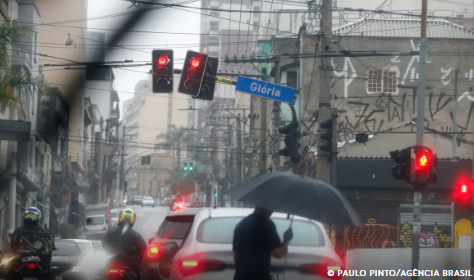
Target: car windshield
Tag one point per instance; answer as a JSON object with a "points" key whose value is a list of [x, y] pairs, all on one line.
{"points": [[94, 221], [66, 249], [221, 230], [148, 198], [85, 247], [175, 227]]}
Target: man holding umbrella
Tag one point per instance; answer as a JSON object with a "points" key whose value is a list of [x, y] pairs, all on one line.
{"points": [[255, 241]]}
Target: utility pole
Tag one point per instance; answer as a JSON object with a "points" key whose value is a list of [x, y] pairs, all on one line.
{"points": [[229, 160], [263, 135], [215, 169], [99, 160], [239, 149], [325, 72], [420, 122], [122, 160], [276, 122], [12, 192], [455, 117]]}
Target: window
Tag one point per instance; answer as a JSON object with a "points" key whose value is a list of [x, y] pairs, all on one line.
{"points": [[66, 249], [292, 79], [95, 221], [175, 227], [35, 47], [255, 26], [221, 230], [213, 40], [214, 26], [382, 81]]}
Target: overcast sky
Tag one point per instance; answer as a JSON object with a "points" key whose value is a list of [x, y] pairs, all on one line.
{"points": [[168, 20]]}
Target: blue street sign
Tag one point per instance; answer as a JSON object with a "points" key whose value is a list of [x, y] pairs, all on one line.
{"points": [[266, 90]]}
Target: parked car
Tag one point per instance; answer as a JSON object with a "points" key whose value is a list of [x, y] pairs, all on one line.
{"points": [[137, 199], [93, 262], [96, 226], [148, 201], [65, 258], [114, 216], [199, 241]]}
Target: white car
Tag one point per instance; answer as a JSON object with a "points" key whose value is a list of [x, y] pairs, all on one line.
{"points": [[206, 252], [92, 264], [148, 201], [114, 215]]}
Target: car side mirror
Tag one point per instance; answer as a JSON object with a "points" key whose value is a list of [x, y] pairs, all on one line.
{"points": [[169, 249]]}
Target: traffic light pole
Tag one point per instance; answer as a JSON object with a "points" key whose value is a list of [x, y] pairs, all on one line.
{"points": [[334, 150], [417, 198], [276, 121]]}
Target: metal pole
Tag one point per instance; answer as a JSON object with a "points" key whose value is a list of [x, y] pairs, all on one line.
{"points": [[99, 160], [276, 122], [122, 160], [472, 217], [12, 194], [228, 162], [325, 72], [263, 135], [334, 150], [417, 198], [455, 118], [239, 149]]}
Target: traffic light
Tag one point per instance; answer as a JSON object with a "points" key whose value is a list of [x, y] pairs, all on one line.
{"points": [[186, 168], [402, 158], [462, 195], [193, 72], [209, 80], [162, 66], [125, 187], [191, 166], [215, 193], [291, 141], [424, 165], [327, 136]]}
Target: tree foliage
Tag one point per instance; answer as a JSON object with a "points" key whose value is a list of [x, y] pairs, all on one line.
{"points": [[14, 84], [183, 187], [174, 137]]}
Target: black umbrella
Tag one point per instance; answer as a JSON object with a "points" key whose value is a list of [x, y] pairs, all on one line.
{"points": [[297, 195]]}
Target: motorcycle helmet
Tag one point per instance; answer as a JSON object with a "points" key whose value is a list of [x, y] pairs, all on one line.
{"points": [[32, 215], [127, 215]]}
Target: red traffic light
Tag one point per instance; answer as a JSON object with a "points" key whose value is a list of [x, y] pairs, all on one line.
{"points": [[423, 160], [195, 63], [162, 61], [464, 188]]}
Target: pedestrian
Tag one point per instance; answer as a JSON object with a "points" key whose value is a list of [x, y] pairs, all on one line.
{"points": [[255, 241]]}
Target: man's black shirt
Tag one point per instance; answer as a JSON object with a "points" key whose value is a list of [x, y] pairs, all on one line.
{"points": [[255, 237], [128, 249]]}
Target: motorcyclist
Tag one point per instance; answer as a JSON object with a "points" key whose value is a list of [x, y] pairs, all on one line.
{"points": [[31, 219], [126, 245]]}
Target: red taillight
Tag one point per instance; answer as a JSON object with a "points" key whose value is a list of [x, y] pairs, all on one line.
{"points": [[31, 266], [153, 250], [322, 270], [190, 266]]}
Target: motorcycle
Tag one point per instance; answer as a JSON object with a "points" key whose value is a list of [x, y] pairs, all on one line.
{"points": [[27, 263], [117, 272]]}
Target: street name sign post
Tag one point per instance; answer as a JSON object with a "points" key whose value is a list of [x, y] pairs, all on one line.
{"points": [[265, 90]]}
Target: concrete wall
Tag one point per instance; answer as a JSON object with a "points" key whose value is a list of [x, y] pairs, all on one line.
{"points": [[430, 259], [373, 112]]}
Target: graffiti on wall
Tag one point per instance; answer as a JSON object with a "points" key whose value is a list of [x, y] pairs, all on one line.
{"points": [[371, 235], [435, 238], [372, 113]]}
